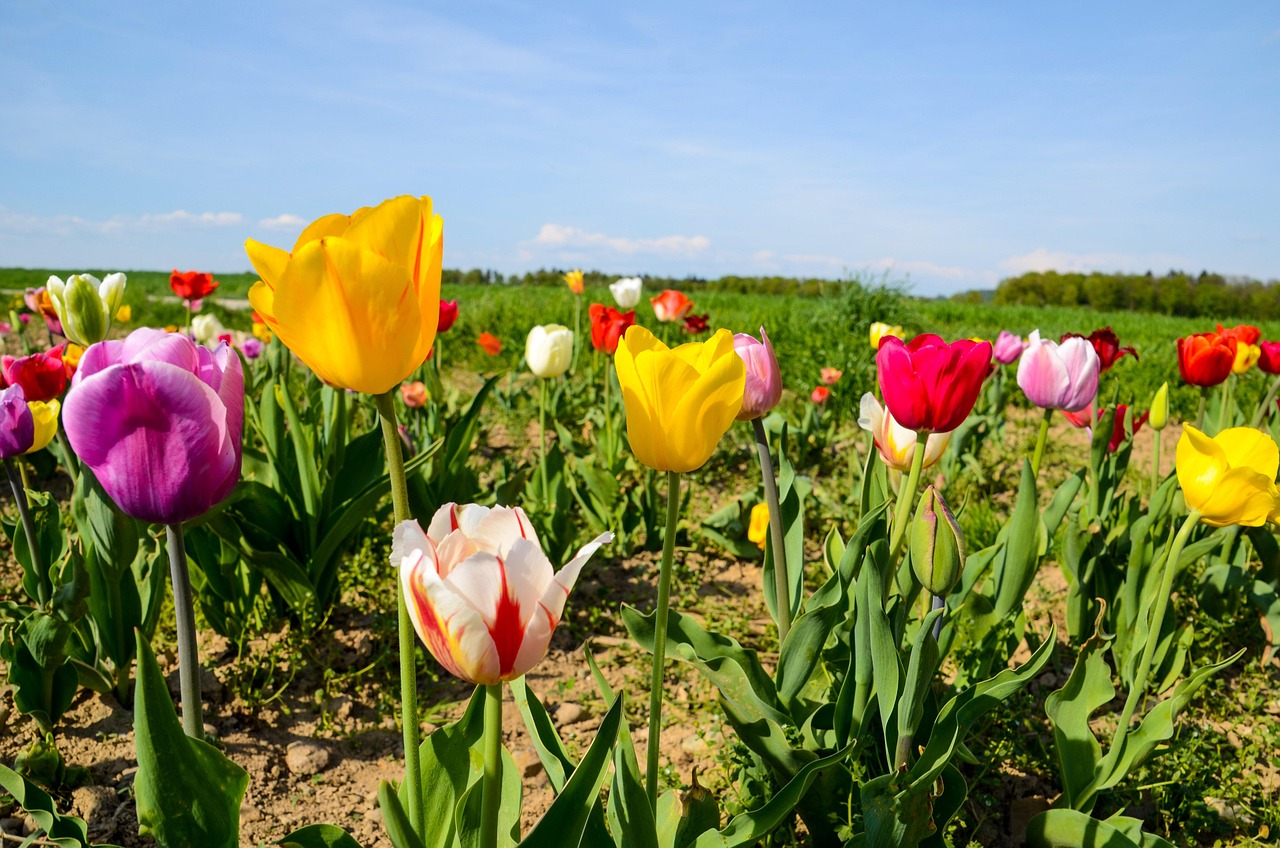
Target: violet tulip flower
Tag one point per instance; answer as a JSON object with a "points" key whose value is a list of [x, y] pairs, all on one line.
{"points": [[159, 420], [1009, 347], [764, 380], [17, 427], [1059, 376]]}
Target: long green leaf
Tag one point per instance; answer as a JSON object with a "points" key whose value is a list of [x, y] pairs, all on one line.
{"points": [[319, 836]]}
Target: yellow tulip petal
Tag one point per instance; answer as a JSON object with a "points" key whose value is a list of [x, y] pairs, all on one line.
{"points": [[44, 415], [268, 261], [1242, 496], [330, 225], [392, 229], [664, 379], [1247, 447], [263, 300], [430, 261], [707, 411], [638, 339], [1201, 463]]}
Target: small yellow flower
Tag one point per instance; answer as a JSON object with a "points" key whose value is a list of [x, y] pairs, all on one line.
{"points": [[171, 328], [758, 532], [262, 332], [71, 355], [679, 401], [1246, 357], [880, 329], [1229, 479], [44, 414], [573, 280], [1160, 408], [124, 314]]}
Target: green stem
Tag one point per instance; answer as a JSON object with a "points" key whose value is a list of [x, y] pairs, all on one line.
{"points": [[185, 617], [1224, 414], [68, 455], [660, 638], [608, 408], [1041, 440], [43, 590], [1204, 403], [491, 800], [1265, 406], [118, 625], [781, 575], [906, 498], [408, 650], [577, 332], [542, 441], [1155, 469]]}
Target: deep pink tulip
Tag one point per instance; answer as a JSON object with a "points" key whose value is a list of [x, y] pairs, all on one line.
{"points": [[764, 380], [159, 420], [928, 385], [1059, 376]]}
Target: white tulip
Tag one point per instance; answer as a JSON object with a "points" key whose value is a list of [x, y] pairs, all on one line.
{"points": [[206, 328], [626, 292], [548, 350]]}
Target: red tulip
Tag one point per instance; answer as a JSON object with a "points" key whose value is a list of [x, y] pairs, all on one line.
{"points": [[671, 305], [1118, 434], [191, 285], [820, 394], [1205, 359], [928, 385], [831, 376], [1106, 344], [1269, 361], [489, 343], [1242, 333], [608, 326], [696, 323], [448, 314], [43, 376]]}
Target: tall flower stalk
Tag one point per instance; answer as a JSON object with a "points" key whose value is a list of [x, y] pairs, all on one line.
{"points": [[660, 638]]}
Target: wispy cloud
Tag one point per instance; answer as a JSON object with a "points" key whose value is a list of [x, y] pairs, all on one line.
{"points": [[572, 238], [1042, 259], [69, 225], [282, 222]]}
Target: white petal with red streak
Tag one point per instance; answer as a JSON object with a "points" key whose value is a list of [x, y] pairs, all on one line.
{"points": [[456, 633]]}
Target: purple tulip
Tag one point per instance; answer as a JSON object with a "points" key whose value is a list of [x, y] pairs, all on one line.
{"points": [[159, 420], [17, 427], [764, 381], [252, 348], [1008, 347], [1059, 376]]}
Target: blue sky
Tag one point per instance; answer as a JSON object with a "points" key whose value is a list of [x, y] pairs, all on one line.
{"points": [[948, 143]]}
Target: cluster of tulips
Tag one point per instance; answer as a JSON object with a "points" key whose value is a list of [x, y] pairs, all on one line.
{"points": [[158, 420]]}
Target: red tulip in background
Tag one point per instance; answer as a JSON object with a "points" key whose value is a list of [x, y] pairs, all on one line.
{"points": [[928, 385], [43, 376], [1242, 333], [820, 394], [1107, 345], [1269, 360], [608, 325], [1117, 428], [448, 314], [1205, 359], [696, 323], [191, 285], [489, 343]]}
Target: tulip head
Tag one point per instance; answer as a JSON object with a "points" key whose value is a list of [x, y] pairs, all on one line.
{"points": [[1246, 334], [695, 324], [1247, 355], [763, 388], [1124, 425], [40, 302], [482, 595], [1059, 376], [880, 330], [1008, 347], [85, 305], [1106, 344], [930, 386], [548, 349], [819, 395], [830, 376], [44, 417], [679, 401], [608, 326], [1229, 479], [897, 444], [252, 348], [448, 315], [1269, 357], [358, 298], [193, 286], [758, 531], [626, 292], [1160, 408], [43, 376], [414, 394], [573, 280], [489, 343], [17, 427], [671, 306], [1206, 359], [207, 328], [937, 544]]}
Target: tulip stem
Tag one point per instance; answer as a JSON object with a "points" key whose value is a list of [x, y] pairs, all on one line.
{"points": [[1041, 440], [1204, 403], [408, 650], [547, 500], [43, 590], [1155, 470], [491, 800], [1266, 403], [660, 638], [781, 575], [1224, 414], [610, 442], [906, 498], [577, 332], [68, 455], [185, 617]]}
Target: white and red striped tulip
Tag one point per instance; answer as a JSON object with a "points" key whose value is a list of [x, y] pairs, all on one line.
{"points": [[482, 595]]}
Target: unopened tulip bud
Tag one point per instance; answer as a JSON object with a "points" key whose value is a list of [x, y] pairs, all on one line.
{"points": [[764, 381], [1160, 408], [937, 545], [85, 305]]}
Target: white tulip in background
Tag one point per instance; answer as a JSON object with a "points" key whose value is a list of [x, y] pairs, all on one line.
{"points": [[626, 292], [548, 350], [206, 328]]}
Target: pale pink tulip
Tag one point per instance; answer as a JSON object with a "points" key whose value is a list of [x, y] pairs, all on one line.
{"points": [[764, 381], [1008, 347], [897, 444], [1059, 376]]}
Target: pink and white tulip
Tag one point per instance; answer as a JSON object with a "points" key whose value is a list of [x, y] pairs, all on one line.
{"points": [[1059, 376], [482, 595], [764, 380], [897, 444]]}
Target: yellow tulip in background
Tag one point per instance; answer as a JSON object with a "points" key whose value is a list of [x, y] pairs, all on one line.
{"points": [[880, 329], [758, 531], [1229, 479], [358, 298], [1247, 356], [679, 401], [44, 414]]}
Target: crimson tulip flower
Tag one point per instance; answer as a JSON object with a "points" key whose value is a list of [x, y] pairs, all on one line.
{"points": [[1242, 333], [1269, 360], [1107, 345], [928, 385], [608, 326], [43, 376], [1118, 433], [489, 343], [192, 285], [696, 323], [448, 314], [1205, 359]]}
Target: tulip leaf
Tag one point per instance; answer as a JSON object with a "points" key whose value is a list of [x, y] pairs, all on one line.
{"points": [[1087, 690], [319, 836], [1074, 829], [920, 668], [188, 793], [792, 492], [1015, 567], [63, 831], [1062, 500], [396, 820]]}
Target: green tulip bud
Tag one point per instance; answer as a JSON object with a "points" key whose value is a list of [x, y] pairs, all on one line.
{"points": [[937, 545], [86, 306], [1160, 408]]}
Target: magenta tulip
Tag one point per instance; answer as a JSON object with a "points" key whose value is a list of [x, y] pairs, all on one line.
{"points": [[17, 427], [1059, 376], [1008, 347], [764, 381], [159, 419]]}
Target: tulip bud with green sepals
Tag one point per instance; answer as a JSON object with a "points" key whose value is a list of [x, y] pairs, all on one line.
{"points": [[86, 306], [937, 545], [1160, 408]]}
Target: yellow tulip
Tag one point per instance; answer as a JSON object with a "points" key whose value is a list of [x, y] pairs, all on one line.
{"points": [[758, 532], [124, 314], [880, 329], [44, 414], [1246, 357], [1229, 479], [358, 299], [573, 280], [679, 401]]}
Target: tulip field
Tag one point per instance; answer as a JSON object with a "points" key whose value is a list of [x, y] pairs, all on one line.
{"points": [[335, 554]]}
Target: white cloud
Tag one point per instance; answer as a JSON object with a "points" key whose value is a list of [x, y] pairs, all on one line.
{"points": [[282, 222], [921, 267], [556, 235], [67, 225], [1042, 259]]}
